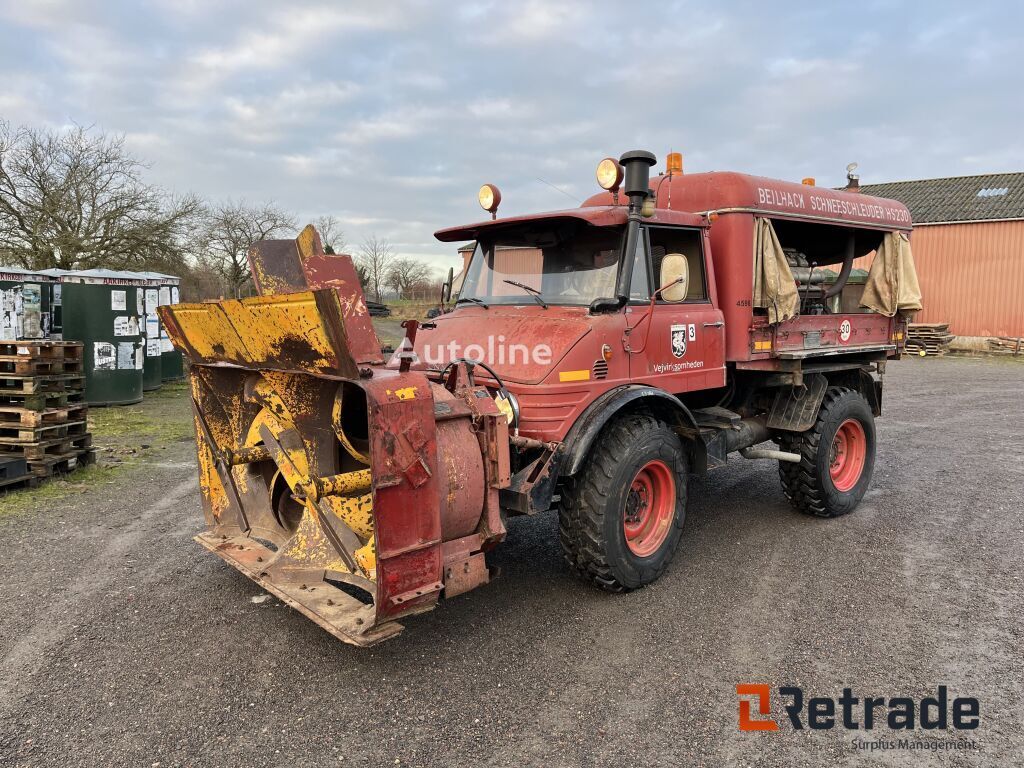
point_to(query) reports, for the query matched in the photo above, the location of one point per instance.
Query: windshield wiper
(532, 291)
(470, 298)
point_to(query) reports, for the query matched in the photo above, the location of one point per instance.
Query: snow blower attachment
(354, 492)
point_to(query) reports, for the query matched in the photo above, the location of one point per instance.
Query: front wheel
(622, 516)
(837, 456)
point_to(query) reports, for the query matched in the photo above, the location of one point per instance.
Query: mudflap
(796, 409)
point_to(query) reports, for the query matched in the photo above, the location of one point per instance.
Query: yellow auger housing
(354, 492)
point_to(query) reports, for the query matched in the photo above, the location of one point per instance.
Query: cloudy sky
(391, 114)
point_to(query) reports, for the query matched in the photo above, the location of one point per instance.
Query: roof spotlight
(490, 199)
(609, 174)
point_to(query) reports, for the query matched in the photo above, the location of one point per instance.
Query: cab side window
(688, 242)
(639, 289)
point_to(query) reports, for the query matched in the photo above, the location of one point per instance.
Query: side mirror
(446, 289)
(605, 304)
(675, 277)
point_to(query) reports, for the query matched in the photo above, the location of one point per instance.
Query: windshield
(568, 265)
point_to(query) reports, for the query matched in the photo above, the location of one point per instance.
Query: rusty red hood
(521, 343)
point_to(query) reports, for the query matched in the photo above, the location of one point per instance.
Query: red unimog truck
(593, 360)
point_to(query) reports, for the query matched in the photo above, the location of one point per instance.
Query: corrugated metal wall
(972, 276)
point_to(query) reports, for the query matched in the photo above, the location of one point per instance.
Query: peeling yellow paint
(355, 511)
(258, 329)
(305, 242)
(405, 393)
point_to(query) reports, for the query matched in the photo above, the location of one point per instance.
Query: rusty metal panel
(406, 498)
(296, 266)
(276, 267)
(828, 331)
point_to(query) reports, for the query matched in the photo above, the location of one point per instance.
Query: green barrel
(152, 366)
(25, 304)
(54, 298)
(171, 362)
(105, 311)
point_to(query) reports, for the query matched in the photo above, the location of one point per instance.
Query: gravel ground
(123, 643)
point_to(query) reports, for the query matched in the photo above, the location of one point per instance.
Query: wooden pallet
(38, 366)
(14, 473)
(31, 480)
(1006, 345)
(13, 415)
(43, 449)
(56, 465)
(931, 338)
(54, 350)
(17, 384)
(12, 468)
(40, 401)
(17, 435)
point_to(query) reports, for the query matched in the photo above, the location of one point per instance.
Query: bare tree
(363, 274)
(406, 274)
(331, 234)
(75, 200)
(376, 257)
(229, 232)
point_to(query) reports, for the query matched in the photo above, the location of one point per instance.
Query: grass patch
(163, 416)
(125, 438)
(60, 488)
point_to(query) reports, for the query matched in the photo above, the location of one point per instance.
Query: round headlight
(489, 197)
(609, 174)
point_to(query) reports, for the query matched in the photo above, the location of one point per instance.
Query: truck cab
(531, 308)
(716, 304)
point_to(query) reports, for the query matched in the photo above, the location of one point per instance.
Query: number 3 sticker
(844, 330)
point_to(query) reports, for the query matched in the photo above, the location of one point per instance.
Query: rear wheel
(837, 457)
(621, 517)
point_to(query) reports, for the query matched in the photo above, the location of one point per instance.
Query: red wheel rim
(650, 508)
(848, 454)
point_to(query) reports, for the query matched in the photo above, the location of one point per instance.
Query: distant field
(389, 329)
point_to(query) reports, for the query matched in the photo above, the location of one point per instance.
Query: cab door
(679, 345)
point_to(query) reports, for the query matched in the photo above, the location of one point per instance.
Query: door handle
(718, 324)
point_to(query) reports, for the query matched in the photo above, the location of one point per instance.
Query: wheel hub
(649, 508)
(847, 455)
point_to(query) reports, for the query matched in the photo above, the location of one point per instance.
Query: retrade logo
(764, 707)
(855, 712)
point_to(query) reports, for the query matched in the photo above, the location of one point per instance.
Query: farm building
(968, 246)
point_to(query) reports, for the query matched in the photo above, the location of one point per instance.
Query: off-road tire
(592, 507)
(809, 485)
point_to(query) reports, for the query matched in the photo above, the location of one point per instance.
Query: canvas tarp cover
(892, 284)
(774, 286)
